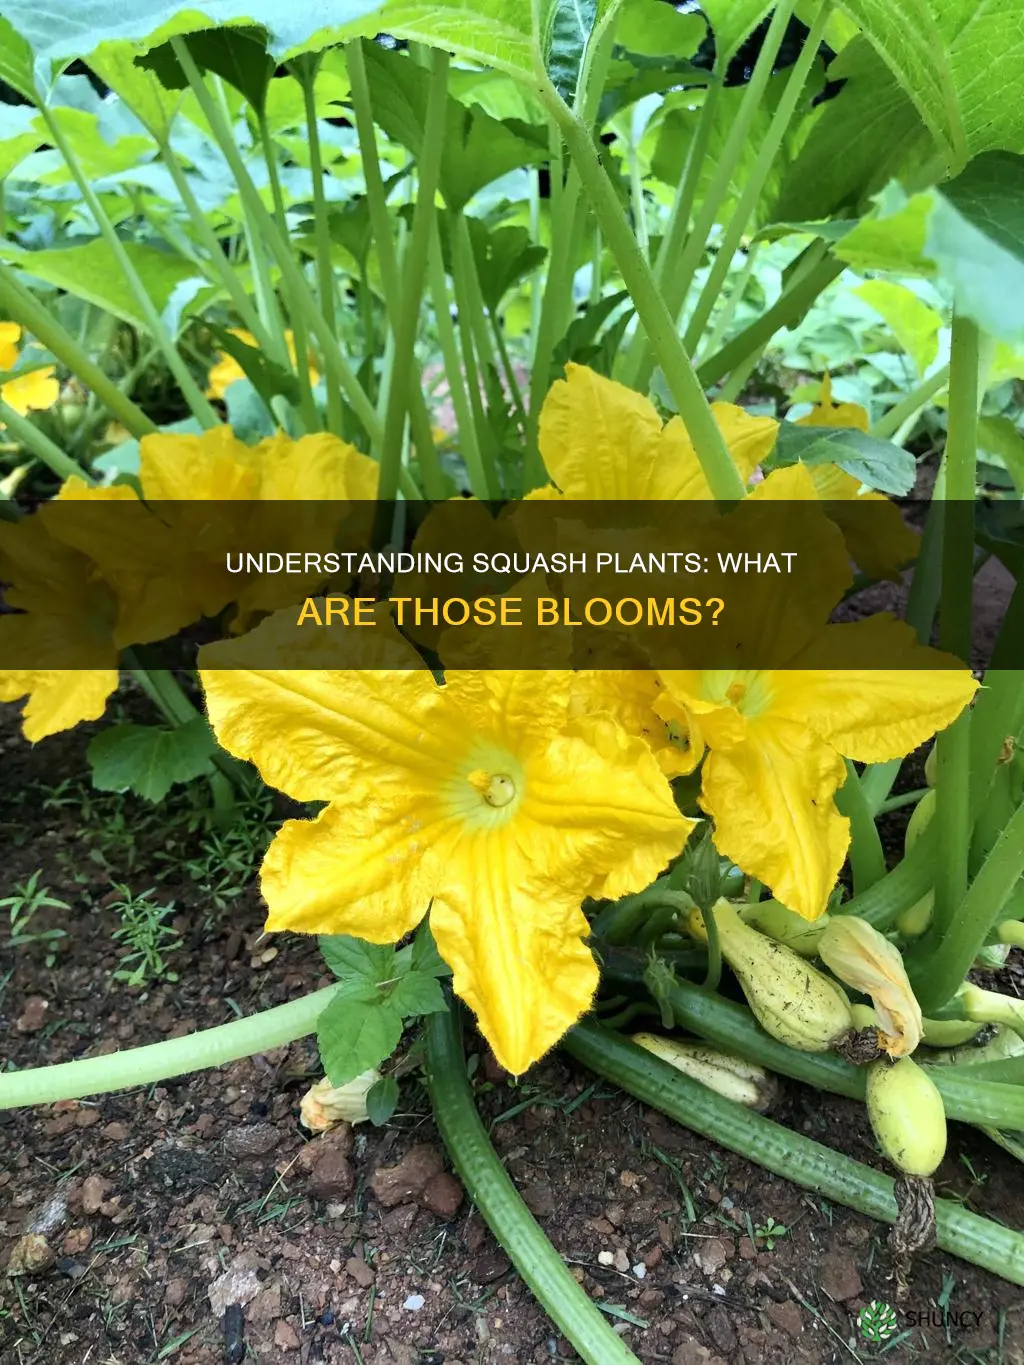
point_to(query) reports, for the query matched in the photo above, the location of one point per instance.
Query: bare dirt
(196, 1222)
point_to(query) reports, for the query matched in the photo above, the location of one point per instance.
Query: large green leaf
(732, 22)
(914, 323)
(149, 760)
(96, 156)
(18, 136)
(572, 22)
(16, 60)
(239, 55)
(354, 1035)
(959, 61)
(879, 464)
(92, 273)
(477, 148)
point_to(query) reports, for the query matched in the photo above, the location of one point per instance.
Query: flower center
(497, 789)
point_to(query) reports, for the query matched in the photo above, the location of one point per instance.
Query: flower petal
(863, 958)
(514, 942)
(873, 714)
(58, 699)
(365, 871)
(771, 798)
(598, 438)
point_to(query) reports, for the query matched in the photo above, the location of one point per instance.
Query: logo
(877, 1321)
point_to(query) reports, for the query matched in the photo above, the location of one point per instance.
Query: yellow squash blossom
(65, 617)
(600, 440)
(825, 413)
(863, 958)
(481, 800)
(227, 369)
(37, 390)
(776, 739)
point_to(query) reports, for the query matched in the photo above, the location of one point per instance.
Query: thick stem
(261, 221)
(40, 445)
(160, 1061)
(414, 276)
(721, 473)
(517, 1231)
(910, 404)
(201, 409)
(786, 311)
(867, 860)
(796, 1158)
(22, 306)
(898, 890)
(939, 964)
(755, 181)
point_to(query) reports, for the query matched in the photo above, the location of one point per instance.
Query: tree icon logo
(877, 1321)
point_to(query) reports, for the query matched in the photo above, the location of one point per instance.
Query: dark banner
(544, 583)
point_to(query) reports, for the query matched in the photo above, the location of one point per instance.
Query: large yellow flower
(10, 335)
(776, 739)
(601, 440)
(482, 800)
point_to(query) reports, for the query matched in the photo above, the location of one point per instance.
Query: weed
(147, 937)
(29, 898)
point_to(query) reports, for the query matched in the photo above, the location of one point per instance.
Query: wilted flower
(324, 1105)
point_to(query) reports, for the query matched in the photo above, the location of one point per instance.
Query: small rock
(285, 1336)
(76, 1241)
(235, 1288)
(251, 1140)
(33, 1016)
(399, 1184)
(489, 1266)
(620, 1261)
(94, 1192)
(712, 1254)
(640, 1270)
(606, 1258)
(175, 1292)
(332, 1177)
(340, 1139)
(691, 1353)
(653, 1257)
(32, 1255)
(51, 1216)
(360, 1271)
(87, 1118)
(840, 1279)
(787, 1317)
(414, 1303)
(748, 1252)
(442, 1195)
(115, 1132)
(721, 1330)
(540, 1200)
(233, 1326)
(74, 1270)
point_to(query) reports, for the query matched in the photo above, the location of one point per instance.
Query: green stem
(201, 409)
(735, 297)
(898, 890)
(477, 472)
(796, 1158)
(508, 369)
(40, 445)
(262, 222)
(674, 238)
(754, 183)
(387, 257)
(22, 306)
(786, 311)
(721, 473)
(620, 921)
(867, 860)
(306, 70)
(160, 1061)
(488, 1184)
(414, 276)
(939, 964)
(905, 799)
(997, 715)
(460, 286)
(714, 972)
(888, 425)
(676, 285)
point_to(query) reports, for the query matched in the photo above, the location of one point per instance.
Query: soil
(160, 1206)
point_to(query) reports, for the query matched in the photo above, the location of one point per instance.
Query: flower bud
(324, 1105)
(864, 959)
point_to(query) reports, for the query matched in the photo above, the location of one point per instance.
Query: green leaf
(999, 436)
(425, 957)
(92, 273)
(16, 60)
(382, 1100)
(353, 1036)
(989, 194)
(477, 148)
(417, 993)
(879, 464)
(571, 24)
(893, 237)
(503, 256)
(97, 157)
(140, 90)
(239, 55)
(149, 760)
(654, 30)
(732, 22)
(347, 957)
(267, 377)
(18, 134)
(913, 323)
